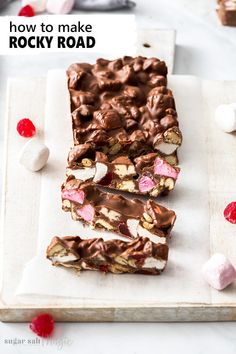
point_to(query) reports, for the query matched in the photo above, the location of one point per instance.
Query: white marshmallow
(151, 262)
(225, 117)
(133, 226)
(60, 6)
(154, 238)
(101, 171)
(83, 173)
(37, 5)
(166, 148)
(34, 155)
(64, 259)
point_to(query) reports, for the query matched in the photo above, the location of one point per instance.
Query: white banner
(74, 33)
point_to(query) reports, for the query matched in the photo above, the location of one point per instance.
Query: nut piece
(105, 224)
(162, 181)
(110, 214)
(148, 226)
(147, 217)
(86, 162)
(155, 192)
(121, 260)
(128, 186)
(169, 183)
(115, 149)
(171, 159)
(111, 141)
(74, 215)
(124, 170)
(173, 136)
(66, 204)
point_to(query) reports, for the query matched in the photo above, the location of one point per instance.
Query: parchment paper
(181, 282)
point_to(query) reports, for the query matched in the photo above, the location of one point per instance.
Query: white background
(205, 49)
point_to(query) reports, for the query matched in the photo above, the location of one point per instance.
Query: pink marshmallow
(162, 168)
(87, 212)
(60, 7)
(218, 271)
(73, 195)
(145, 184)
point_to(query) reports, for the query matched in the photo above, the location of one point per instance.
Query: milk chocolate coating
(226, 11)
(122, 105)
(114, 256)
(162, 219)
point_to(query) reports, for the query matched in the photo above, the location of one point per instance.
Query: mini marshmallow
(34, 155)
(60, 7)
(145, 184)
(73, 195)
(225, 117)
(37, 5)
(87, 212)
(218, 271)
(162, 168)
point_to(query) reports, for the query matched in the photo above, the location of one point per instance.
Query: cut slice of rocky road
(137, 256)
(112, 212)
(148, 174)
(124, 105)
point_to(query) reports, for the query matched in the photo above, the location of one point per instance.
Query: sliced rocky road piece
(147, 174)
(112, 212)
(137, 256)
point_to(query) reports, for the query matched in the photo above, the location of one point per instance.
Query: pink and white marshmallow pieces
(218, 271)
(162, 168)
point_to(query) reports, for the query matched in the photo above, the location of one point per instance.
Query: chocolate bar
(123, 107)
(147, 174)
(138, 256)
(226, 10)
(113, 212)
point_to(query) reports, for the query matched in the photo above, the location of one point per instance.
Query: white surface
(136, 338)
(204, 49)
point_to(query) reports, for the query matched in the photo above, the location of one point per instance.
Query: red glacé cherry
(230, 212)
(123, 228)
(27, 11)
(105, 181)
(42, 325)
(26, 128)
(104, 268)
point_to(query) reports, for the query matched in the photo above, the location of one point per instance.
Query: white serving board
(179, 294)
(159, 43)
